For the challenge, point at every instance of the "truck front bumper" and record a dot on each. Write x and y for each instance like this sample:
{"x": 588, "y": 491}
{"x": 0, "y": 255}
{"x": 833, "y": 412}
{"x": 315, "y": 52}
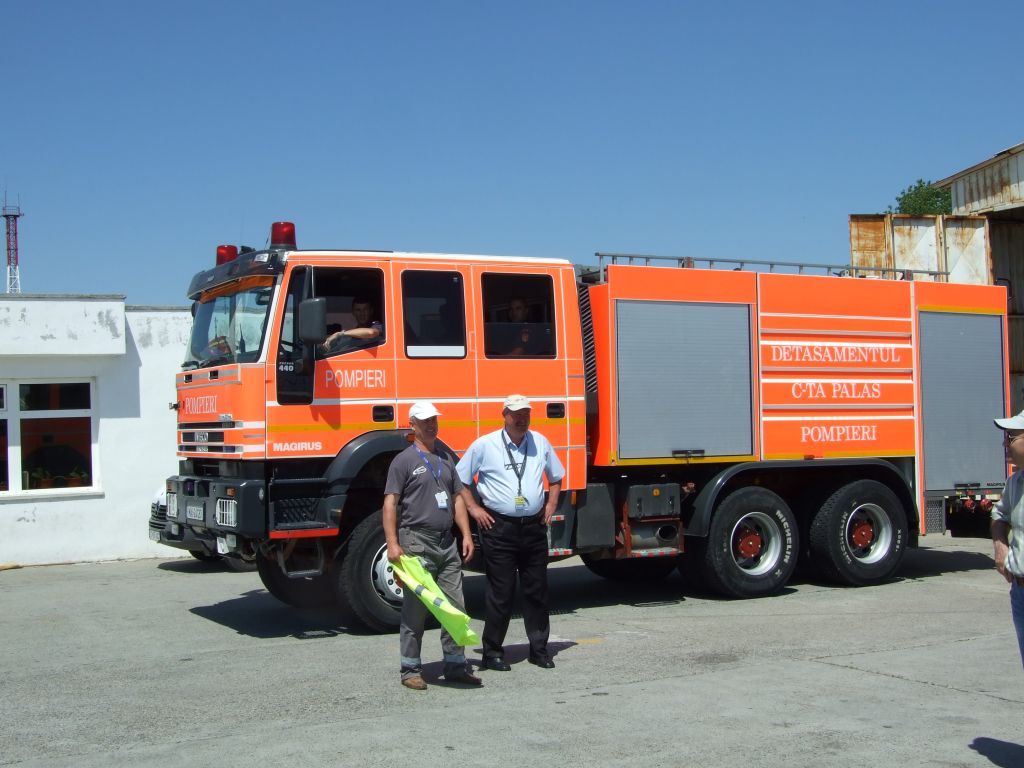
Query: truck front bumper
{"x": 209, "y": 508}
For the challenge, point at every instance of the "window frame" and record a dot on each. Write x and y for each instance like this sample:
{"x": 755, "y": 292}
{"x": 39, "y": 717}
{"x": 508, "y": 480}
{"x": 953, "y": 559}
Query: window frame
{"x": 14, "y": 415}
{"x": 494, "y": 329}
{"x": 457, "y": 351}
{"x": 322, "y": 273}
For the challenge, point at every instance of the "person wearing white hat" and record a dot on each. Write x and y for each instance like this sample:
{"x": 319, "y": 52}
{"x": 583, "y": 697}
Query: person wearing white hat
{"x": 421, "y": 502}
{"x": 509, "y": 467}
{"x": 1008, "y": 522}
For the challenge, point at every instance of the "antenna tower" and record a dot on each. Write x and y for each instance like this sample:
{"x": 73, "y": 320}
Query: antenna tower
{"x": 12, "y": 213}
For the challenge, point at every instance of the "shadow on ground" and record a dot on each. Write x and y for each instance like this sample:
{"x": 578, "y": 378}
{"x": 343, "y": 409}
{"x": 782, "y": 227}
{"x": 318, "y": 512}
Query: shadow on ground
{"x": 194, "y": 567}
{"x": 571, "y": 588}
{"x": 1005, "y": 754}
{"x": 926, "y": 563}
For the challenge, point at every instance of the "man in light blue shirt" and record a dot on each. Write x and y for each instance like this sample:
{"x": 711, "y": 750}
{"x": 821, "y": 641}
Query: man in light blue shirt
{"x": 509, "y": 467}
{"x": 1008, "y": 522}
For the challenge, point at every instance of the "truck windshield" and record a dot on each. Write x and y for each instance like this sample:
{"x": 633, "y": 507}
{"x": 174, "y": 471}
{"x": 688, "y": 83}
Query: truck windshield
{"x": 229, "y": 323}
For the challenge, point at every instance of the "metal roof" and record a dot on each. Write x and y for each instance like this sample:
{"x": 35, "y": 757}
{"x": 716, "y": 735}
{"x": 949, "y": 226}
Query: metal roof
{"x": 948, "y": 181}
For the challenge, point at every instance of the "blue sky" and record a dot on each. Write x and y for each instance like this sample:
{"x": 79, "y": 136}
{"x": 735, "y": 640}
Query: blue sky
{"x": 137, "y": 136}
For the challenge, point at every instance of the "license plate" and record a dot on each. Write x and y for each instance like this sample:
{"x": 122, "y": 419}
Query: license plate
{"x": 194, "y": 511}
{"x": 154, "y": 535}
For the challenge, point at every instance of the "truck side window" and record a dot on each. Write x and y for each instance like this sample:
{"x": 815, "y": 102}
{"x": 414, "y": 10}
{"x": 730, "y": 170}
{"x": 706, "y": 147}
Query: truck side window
{"x": 290, "y": 347}
{"x": 433, "y": 307}
{"x": 355, "y": 308}
{"x": 519, "y": 316}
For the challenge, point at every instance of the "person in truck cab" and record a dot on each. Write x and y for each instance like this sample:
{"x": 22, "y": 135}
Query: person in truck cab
{"x": 366, "y": 329}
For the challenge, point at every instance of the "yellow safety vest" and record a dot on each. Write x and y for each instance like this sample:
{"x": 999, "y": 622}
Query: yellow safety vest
{"x": 418, "y": 580}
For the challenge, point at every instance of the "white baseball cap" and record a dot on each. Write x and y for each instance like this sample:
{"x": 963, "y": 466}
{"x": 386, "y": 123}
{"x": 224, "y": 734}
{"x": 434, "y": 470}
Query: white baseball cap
{"x": 516, "y": 402}
{"x": 423, "y": 409}
{"x": 1014, "y": 422}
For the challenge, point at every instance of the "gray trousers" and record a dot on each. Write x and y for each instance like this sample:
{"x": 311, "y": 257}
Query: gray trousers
{"x": 445, "y": 565}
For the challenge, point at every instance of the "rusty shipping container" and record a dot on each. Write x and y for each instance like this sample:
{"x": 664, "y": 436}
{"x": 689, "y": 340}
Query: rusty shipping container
{"x": 931, "y": 246}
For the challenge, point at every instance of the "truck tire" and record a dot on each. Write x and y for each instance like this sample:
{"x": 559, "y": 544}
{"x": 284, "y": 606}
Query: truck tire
{"x": 308, "y": 592}
{"x": 752, "y": 544}
{"x": 859, "y": 534}
{"x": 366, "y": 586}
{"x": 239, "y": 565}
{"x": 634, "y": 569}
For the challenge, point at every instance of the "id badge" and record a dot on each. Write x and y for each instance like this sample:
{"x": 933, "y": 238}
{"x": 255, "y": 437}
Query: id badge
{"x": 520, "y": 504}
{"x": 442, "y": 499}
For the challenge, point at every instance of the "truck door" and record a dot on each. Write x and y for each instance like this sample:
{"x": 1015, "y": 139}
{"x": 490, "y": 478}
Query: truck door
{"x": 521, "y": 347}
{"x": 353, "y": 377}
{"x": 432, "y": 359}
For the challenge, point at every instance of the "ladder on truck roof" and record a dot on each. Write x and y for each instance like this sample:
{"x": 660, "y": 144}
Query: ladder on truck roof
{"x": 795, "y": 267}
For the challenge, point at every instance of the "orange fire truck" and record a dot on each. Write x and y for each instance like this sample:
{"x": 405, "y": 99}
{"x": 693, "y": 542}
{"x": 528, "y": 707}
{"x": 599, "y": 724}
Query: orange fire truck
{"x": 725, "y": 421}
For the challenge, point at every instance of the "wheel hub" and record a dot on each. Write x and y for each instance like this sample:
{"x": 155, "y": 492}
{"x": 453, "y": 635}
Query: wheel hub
{"x": 862, "y": 534}
{"x": 749, "y": 543}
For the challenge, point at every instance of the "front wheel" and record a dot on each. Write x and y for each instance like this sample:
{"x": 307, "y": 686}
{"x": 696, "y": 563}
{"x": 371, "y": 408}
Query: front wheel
{"x": 239, "y": 564}
{"x": 859, "y": 535}
{"x": 307, "y": 592}
{"x": 366, "y": 583}
{"x": 752, "y": 544}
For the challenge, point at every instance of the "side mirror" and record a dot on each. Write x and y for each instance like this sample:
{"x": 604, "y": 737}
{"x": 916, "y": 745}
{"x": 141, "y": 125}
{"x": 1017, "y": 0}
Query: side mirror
{"x": 313, "y": 321}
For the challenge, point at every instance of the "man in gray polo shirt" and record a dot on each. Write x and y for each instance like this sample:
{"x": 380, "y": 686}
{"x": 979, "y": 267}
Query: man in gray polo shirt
{"x": 1007, "y": 516}
{"x": 420, "y": 504}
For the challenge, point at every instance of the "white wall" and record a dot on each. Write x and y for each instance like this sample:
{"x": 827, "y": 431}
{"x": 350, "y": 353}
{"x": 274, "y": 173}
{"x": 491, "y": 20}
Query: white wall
{"x": 44, "y": 325}
{"x": 135, "y": 439}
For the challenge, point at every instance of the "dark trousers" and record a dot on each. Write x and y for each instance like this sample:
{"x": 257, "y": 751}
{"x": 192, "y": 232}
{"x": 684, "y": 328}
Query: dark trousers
{"x": 512, "y": 548}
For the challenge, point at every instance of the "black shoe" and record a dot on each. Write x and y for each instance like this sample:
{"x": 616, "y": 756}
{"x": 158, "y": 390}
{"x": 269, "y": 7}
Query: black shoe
{"x": 497, "y": 663}
{"x": 543, "y": 662}
{"x": 464, "y": 676}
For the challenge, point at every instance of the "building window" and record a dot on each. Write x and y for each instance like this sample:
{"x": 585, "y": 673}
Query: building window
{"x": 46, "y": 436}
{"x": 4, "y": 482}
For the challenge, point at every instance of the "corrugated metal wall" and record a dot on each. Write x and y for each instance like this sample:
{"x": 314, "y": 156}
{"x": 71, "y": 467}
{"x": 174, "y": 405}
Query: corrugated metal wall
{"x": 1007, "y": 242}
{"x": 995, "y": 187}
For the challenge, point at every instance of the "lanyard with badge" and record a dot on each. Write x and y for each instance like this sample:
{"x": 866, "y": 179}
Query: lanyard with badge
{"x": 441, "y": 496}
{"x": 518, "y": 470}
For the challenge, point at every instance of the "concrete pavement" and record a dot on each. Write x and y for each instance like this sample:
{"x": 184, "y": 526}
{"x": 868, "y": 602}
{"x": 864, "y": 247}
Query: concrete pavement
{"x": 175, "y": 662}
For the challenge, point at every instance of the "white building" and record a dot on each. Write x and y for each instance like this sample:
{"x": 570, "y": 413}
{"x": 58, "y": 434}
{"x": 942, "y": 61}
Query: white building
{"x": 86, "y": 435}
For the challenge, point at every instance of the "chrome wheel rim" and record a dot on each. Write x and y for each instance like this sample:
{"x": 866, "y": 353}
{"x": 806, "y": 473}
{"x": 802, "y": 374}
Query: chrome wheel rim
{"x": 868, "y": 548}
{"x": 756, "y": 543}
{"x": 382, "y": 576}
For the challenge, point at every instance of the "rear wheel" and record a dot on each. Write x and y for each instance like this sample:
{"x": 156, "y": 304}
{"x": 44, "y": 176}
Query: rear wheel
{"x": 752, "y": 544}
{"x": 859, "y": 535}
{"x": 366, "y": 583}
{"x": 631, "y": 569}
{"x": 307, "y": 592}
